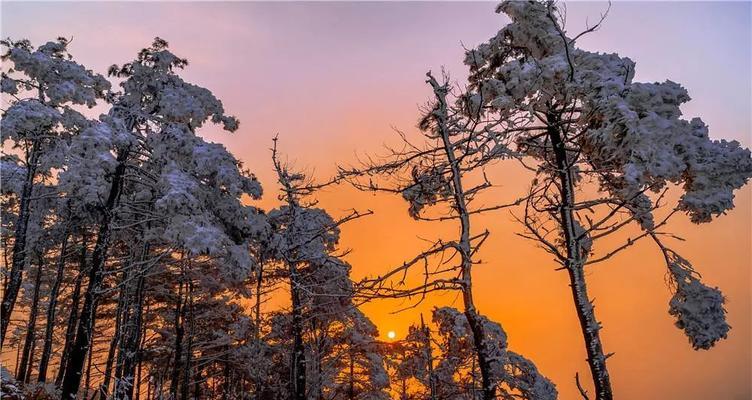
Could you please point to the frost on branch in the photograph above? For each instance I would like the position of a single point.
(50, 69)
(12, 175)
(698, 309)
(415, 361)
(27, 119)
(641, 137)
(167, 95)
(523, 376)
(305, 234)
(429, 186)
(632, 133)
(90, 163)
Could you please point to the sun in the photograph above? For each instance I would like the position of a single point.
(391, 335)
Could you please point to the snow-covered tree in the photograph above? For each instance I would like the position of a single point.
(583, 125)
(515, 376)
(46, 87)
(143, 165)
(303, 241)
(413, 362)
(444, 364)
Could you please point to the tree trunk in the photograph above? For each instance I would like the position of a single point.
(51, 308)
(115, 341)
(320, 349)
(19, 244)
(473, 319)
(178, 344)
(75, 363)
(73, 316)
(429, 358)
(27, 378)
(131, 348)
(23, 370)
(88, 377)
(575, 267)
(139, 362)
(226, 383)
(18, 359)
(197, 381)
(298, 365)
(185, 389)
(257, 319)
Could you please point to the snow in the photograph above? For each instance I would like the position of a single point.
(12, 174)
(699, 309)
(429, 187)
(28, 119)
(513, 374)
(63, 80)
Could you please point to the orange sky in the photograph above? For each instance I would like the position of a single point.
(333, 78)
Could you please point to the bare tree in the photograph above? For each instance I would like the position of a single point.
(435, 174)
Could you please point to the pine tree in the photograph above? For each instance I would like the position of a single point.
(145, 158)
(47, 86)
(583, 125)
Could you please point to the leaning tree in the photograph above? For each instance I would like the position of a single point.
(606, 152)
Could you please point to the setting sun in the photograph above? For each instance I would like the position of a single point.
(391, 335)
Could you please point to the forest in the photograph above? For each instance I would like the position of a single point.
(137, 263)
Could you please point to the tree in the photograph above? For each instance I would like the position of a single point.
(413, 359)
(302, 239)
(582, 124)
(46, 86)
(146, 162)
(445, 365)
(435, 173)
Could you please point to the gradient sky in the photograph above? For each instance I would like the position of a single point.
(334, 78)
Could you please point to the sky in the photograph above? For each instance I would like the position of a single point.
(335, 79)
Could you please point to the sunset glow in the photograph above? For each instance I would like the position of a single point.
(335, 80)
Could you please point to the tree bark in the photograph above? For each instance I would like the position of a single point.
(132, 347)
(75, 363)
(298, 371)
(19, 243)
(23, 370)
(70, 331)
(257, 319)
(88, 376)
(27, 378)
(51, 308)
(429, 358)
(185, 386)
(114, 342)
(575, 267)
(178, 344)
(465, 248)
